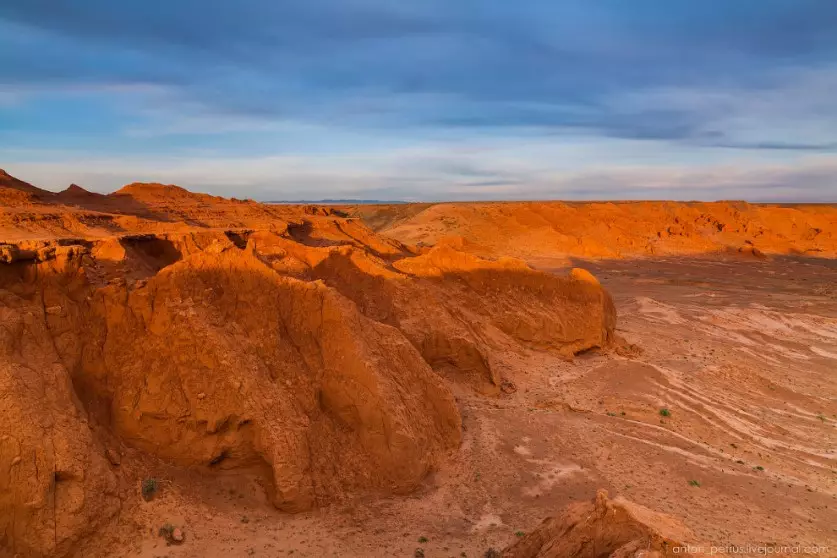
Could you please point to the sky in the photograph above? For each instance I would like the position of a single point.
(425, 99)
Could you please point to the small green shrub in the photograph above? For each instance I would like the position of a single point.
(166, 530)
(665, 413)
(149, 488)
(694, 483)
(519, 534)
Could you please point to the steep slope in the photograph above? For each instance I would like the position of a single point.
(462, 313)
(55, 485)
(216, 362)
(15, 193)
(10, 182)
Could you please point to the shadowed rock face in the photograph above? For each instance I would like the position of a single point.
(313, 350)
(55, 484)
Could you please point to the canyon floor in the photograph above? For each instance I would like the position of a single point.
(742, 353)
(416, 380)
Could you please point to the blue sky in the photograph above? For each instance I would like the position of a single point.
(425, 100)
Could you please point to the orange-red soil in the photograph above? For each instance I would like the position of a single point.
(549, 230)
(297, 383)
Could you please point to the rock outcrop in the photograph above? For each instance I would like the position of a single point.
(55, 485)
(604, 528)
(302, 345)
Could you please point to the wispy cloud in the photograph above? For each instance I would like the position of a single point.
(445, 173)
(793, 108)
(498, 99)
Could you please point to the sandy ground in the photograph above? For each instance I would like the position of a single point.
(741, 353)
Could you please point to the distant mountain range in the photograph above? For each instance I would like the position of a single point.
(338, 202)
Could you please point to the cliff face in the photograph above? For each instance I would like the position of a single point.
(534, 230)
(55, 483)
(304, 346)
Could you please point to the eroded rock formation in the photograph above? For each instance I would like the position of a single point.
(604, 528)
(300, 344)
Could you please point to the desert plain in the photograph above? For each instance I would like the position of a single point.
(185, 375)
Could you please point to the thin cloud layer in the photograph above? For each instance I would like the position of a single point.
(714, 89)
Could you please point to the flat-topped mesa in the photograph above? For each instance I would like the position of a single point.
(538, 231)
(543, 234)
(155, 190)
(180, 200)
